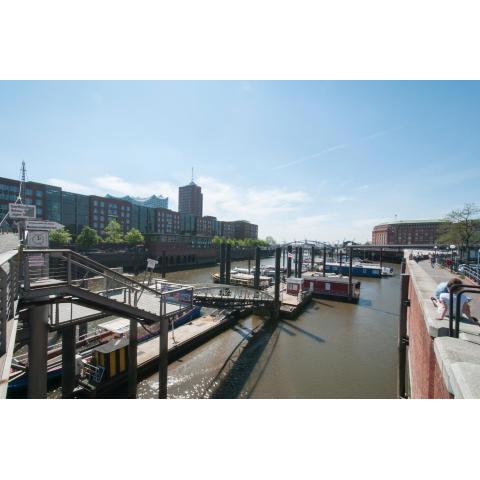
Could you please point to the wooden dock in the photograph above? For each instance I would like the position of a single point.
(180, 341)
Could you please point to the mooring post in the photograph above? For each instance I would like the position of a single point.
(300, 261)
(228, 264)
(324, 259)
(402, 336)
(132, 359)
(340, 263)
(82, 330)
(37, 351)
(381, 258)
(276, 303)
(283, 257)
(249, 265)
(222, 263)
(289, 261)
(68, 361)
(312, 261)
(163, 356)
(350, 258)
(256, 277)
(295, 259)
(164, 266)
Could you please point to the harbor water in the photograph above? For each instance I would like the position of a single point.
(332, 350)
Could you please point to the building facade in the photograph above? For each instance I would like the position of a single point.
(208, 226)
(244, 229)
(190, 200)
(167, 221)
(105, 209)
(414, 232)
(75, 211)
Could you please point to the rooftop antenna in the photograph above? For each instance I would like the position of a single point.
(396, 216)
(23, 179)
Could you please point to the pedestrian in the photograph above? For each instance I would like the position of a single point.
(442, 300)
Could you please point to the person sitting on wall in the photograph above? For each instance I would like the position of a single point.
(442, 300)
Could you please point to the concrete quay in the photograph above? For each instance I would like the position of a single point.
(439, 366)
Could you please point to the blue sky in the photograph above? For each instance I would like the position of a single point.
(318, 160)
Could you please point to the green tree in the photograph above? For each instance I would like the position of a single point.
(113, 232)
(88, 237)
(60, 236)
(216, 240)
(270, 241)
(134, 237)
(461, 228)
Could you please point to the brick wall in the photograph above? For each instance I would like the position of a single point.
(425, 375)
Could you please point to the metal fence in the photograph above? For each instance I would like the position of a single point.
(8, 294)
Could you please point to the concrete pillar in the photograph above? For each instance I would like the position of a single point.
(68, 361)
(381, 257)
(37, 351)
(300, 261)
(256, 279)
(289, 261)
(163, 357)
(249, 265)
(276, 313)
(222, 263)
(296, 262)
(228, 264)
(132, 360)
(312, 261)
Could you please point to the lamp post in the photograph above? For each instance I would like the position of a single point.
(452, 248)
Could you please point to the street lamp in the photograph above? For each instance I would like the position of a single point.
(452, 248)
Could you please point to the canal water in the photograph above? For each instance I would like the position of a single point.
(332, 350)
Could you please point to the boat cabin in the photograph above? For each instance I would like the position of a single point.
(332, 287)
(294, 285)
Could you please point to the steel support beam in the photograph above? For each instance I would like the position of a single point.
(289, 261)
(222, 263)
(164, 266)
(300, 261)
(163, 356)
(132, 359)
(256, 278)
(324, 259)
(312, 260)
(68, 360)
(276, 303)
(228, 264)
(37, 351)
(350, 261)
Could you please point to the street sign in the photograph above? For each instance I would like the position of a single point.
(42, 225)
(36, 260)
(17, 210)
(37, 239)
(151, 263)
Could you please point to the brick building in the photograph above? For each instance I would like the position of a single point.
(104, 209)
(190, 200)
(167, 221)
(407, 232)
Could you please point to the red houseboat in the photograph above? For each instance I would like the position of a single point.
(333, 288)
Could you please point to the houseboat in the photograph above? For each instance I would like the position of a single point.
(244, 280)
(358, 269)
(332, 288)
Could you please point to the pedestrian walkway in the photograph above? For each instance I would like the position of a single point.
(439, 274)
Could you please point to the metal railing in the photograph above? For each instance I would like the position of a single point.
(8, 295)
(52, 268)
(473, 273)
(456, 292)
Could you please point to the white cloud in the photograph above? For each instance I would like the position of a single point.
(342, 199)
(71, 186)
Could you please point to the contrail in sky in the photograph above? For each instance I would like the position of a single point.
(315, 155)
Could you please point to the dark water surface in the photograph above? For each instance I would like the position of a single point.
(333, 350)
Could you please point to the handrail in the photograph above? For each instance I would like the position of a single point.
(458, 313)
(88, 263)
